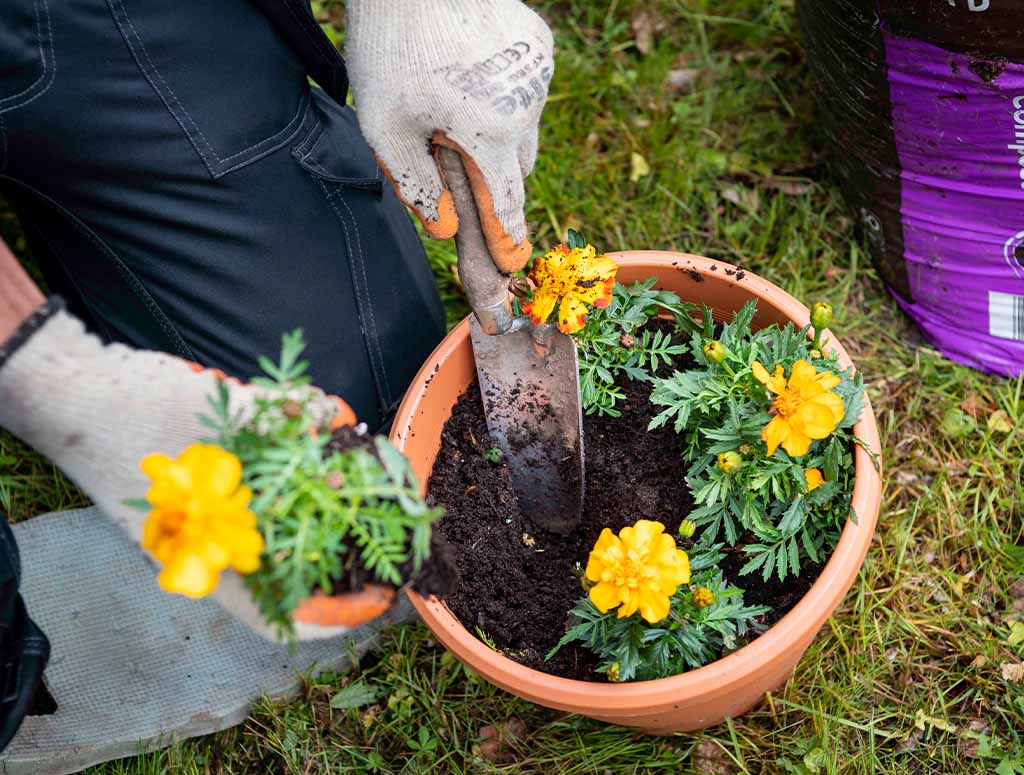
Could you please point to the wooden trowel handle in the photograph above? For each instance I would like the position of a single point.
(486, 287)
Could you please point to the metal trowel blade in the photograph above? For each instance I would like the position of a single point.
(531, 396)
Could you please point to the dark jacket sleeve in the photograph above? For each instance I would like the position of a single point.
(293, 20)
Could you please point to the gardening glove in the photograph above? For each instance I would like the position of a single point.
(95, 410)
(469, 74)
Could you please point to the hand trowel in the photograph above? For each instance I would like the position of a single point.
(528, 374)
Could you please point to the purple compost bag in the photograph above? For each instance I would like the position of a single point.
(923, 105)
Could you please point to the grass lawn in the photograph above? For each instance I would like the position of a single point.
(906, 677)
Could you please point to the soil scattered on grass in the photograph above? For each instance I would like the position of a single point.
(517, 582)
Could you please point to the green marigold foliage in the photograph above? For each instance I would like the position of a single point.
(610, 346)
(721, 407)
(319, 511)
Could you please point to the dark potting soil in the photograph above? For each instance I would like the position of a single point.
(435, 577)
(516, 582)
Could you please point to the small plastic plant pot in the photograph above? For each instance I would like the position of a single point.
(348, 610)
(729, 686)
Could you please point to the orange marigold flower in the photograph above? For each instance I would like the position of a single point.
(804, 408)
(571, 280)
(637, 570)
(200, 523)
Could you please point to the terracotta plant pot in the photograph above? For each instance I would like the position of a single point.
(725, 688)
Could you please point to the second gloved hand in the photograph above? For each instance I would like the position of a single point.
(470, 74)
(96, 410)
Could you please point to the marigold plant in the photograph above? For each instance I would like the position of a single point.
(770, 453)
(699, 626)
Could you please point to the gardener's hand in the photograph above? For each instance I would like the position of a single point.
(95, 410)
(470, 74)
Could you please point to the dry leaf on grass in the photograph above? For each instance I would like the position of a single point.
(1013, 672)
(788, 186)
(1017, 595)
(681, 81)
(645, 26)
(499, 740)
(638, 167)
(710, 759)
(1000, 422)
(975, 405)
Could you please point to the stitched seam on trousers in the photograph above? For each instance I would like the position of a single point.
(363, 182)
(117, 7)
(280, 137)
(41, 234)
(49, 66)
(370, 339)
(369, 301)
(122, 269)
(311, 138)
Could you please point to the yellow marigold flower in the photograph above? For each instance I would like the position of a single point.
(814, 478)
(703, 597)
(804, 408)
(640, 569)
(200, 523)
(571, 280)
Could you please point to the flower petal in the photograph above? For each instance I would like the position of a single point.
(189, 575)
(572, 315)
(796, 444)
(654, 607)
(817, 418)
(814, 478)
(540, 307)
(775, 433)
(605, 596)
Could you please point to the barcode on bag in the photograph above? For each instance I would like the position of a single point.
(1006, 315)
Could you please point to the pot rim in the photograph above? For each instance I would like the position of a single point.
(801, 622)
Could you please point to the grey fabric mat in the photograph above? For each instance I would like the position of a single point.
(134, 669)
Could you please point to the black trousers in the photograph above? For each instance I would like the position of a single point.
(186, 189)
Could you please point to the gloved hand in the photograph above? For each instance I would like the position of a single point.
(95, 410)
(469, 74)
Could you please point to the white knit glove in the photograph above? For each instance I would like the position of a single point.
(95, 410)
(470, 74)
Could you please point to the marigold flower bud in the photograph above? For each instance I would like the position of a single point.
(714, 351)
(627, 341)
(291, 408)
(687, 528)
(335, 480)
(821, 315)
(729, 462)
(614, 673)
(703, 597)
(746, 449)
